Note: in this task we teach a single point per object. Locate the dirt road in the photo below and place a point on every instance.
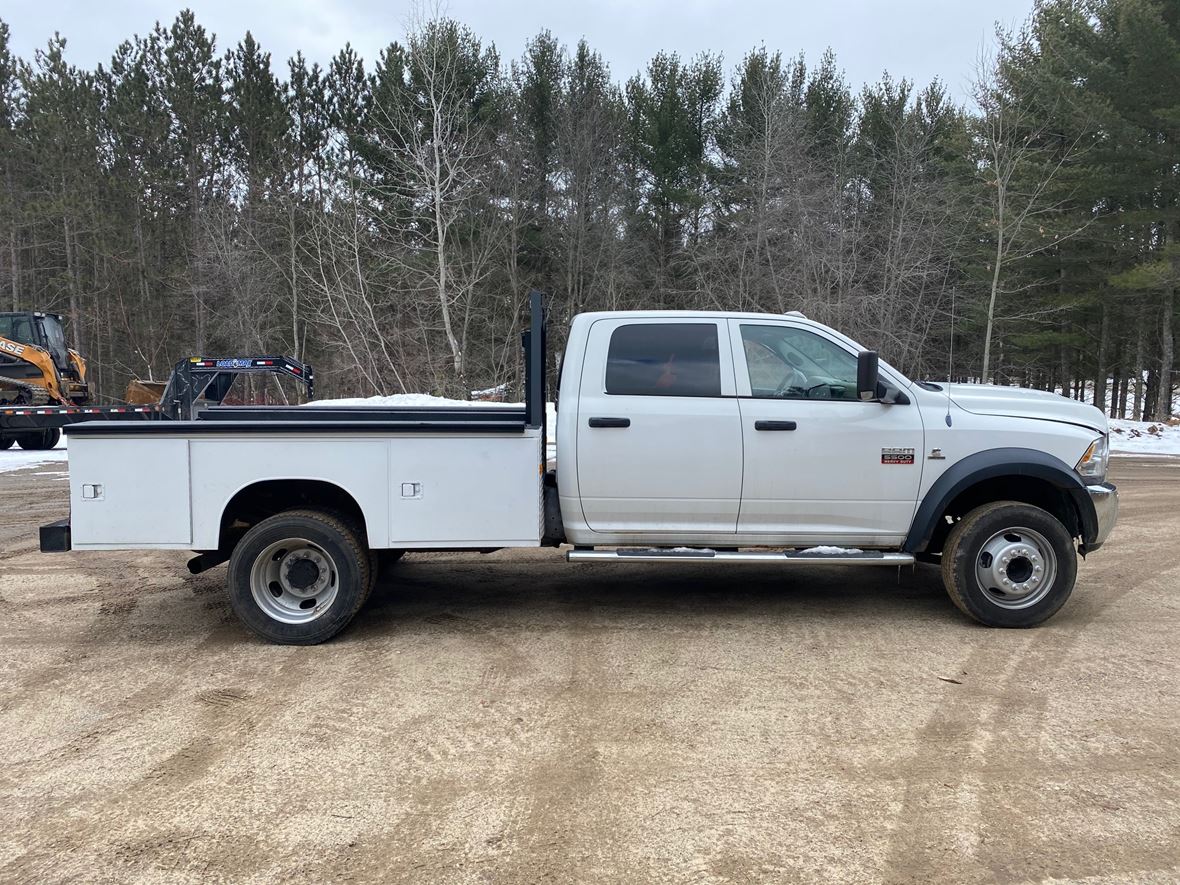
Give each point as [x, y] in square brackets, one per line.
[511, 718]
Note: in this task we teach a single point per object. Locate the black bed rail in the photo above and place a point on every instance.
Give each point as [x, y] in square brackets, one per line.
[363, 414]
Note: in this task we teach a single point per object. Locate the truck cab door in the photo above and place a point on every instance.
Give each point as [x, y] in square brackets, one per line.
[659, 438]
[821, 466]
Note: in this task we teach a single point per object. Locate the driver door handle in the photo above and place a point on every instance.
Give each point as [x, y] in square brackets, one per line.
[774, 425]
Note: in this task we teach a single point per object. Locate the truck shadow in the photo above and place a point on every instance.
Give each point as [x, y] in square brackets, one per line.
[503, 593]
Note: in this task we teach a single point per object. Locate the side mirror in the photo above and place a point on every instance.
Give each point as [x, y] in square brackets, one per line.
[866, 375]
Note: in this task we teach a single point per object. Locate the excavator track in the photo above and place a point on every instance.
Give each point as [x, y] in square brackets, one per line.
[34, 394]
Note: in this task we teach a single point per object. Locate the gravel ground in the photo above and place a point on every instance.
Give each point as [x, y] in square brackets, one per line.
[510, 718]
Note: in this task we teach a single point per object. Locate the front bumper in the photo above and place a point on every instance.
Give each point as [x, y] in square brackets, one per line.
[1105, 498]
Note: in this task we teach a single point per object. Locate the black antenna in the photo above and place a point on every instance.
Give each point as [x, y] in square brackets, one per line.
[950, 360]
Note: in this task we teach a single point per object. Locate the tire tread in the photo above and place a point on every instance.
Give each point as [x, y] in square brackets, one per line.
[351, 537]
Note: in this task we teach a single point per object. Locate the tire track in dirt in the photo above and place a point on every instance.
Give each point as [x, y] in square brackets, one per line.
[955, 753]
[217, 723]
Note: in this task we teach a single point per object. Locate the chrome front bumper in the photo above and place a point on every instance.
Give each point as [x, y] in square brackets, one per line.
[1105, 498]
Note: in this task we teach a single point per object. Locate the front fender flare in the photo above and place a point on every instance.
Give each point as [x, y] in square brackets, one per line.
[992, 464]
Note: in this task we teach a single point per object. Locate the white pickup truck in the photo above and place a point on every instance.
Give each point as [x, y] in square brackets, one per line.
[713, 438]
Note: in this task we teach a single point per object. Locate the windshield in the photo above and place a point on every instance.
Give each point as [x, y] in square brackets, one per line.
[55, 341]
[17, 327]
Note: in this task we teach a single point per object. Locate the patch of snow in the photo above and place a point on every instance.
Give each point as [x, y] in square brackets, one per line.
[18, 459]
[408, 401]
[1144, 438]
[832, 551]
[693, 550]
[489, 392]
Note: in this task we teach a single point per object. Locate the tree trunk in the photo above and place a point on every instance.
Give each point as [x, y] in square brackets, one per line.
[72, 279]
[13, 254]
[1100, 370]
[1163, 404]
[991, 304]
[292, 259]
[1137, 373]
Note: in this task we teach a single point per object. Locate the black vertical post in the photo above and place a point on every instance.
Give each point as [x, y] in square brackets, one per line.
[534, 368]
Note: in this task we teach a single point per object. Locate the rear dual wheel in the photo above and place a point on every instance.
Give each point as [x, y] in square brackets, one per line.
[1009, 564]
[38, 440]
[299, 578]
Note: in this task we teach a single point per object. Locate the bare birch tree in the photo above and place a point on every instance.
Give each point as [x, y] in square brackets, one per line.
[1022, 155]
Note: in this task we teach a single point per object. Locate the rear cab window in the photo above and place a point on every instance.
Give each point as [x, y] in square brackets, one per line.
[664, 359]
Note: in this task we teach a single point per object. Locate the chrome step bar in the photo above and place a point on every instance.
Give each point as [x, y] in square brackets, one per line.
[694, 554]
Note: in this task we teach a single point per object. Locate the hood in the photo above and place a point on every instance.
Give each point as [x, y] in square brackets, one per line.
[1020, 402]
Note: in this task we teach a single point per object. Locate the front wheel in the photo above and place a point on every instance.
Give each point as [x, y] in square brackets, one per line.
[299, 577]
[1009, 564]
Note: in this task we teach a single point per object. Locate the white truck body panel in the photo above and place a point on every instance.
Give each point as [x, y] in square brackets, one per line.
[414, 490]
[824, 481]
[135, 495]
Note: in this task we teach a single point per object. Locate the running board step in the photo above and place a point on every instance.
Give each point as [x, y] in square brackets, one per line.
[702, 554]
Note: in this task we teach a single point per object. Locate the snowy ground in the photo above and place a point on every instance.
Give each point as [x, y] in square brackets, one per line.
[408, 400]
[1143, 438]
[17, 458]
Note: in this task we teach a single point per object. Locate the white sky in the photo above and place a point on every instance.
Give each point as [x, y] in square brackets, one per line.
[919, 39]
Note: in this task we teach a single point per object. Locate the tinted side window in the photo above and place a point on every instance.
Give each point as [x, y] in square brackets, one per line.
[664, 359]
[789, 363]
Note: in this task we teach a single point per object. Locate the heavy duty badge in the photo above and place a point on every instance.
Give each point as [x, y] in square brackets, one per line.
[897, 456]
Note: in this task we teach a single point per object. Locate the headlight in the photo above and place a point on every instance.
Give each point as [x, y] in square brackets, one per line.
[1093, 463]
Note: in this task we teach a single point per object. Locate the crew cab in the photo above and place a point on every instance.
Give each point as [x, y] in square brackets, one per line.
[712, 438]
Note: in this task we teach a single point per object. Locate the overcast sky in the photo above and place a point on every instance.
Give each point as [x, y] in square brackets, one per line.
[919, 39]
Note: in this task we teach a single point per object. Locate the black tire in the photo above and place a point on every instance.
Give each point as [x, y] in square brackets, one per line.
[39, 440]
[348, 577]
[6, 442]
[1016, 545]
[358, 532]
[389, 558]
[384, 562]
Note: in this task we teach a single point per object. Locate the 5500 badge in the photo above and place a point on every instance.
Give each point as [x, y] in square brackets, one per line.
[897, 456]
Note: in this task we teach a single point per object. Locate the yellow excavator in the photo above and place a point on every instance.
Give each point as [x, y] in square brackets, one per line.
[36, 366]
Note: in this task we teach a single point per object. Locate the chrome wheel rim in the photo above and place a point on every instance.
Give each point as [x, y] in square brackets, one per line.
[1016, 568]
[294, 581]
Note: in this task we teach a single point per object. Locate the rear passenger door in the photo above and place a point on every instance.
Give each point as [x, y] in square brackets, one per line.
[659, 439]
